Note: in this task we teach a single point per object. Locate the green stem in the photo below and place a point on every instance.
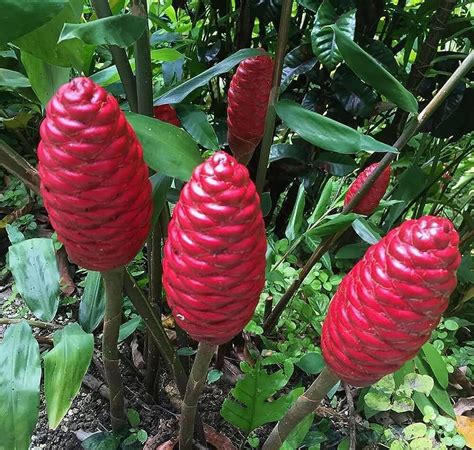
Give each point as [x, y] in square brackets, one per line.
[267, 140]
[143, 63]
[19, 167]
[304, 405]
[196, 381]
[33, 323]
[113, 280]
[411, 128]
[120, 58]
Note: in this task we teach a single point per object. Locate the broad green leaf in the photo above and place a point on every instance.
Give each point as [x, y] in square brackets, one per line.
[20, 375]
[11, 80]
[337, 164]
[351, 251]
[103, 440]
[196, 124]
[122, 30]
[415, 430]
[160, 185]
[165, 55]
[297, 435]
[64, 368]
[290, 151]
[332, 225]
[297, 62]
[43, 42]
[322, 35]
[437, 364]
[402, 403]
[377, 400]
[423, 403]
[166, 148]
[296, 219]
[323, 202]
[419, 383]
[92, 306]
[213, 376]
[439, 395]
[179, 93]
[34, 268]
[370, 71]
[20, 17]
[366, 231]
[44, 77]
[311, 363]
[127, 328]
[327, 133]
[252, 392]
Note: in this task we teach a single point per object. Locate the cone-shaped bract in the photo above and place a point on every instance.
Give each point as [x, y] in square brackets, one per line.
[372, 198]
[247, 104]
[214, 258]
[387, 306]
[166, 113]
[94, 181]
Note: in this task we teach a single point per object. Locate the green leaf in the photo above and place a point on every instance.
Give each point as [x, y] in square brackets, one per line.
[104, 440]
[369, 70]
[64, 368]
[133, 417]
[34, 268]
[43, 42]
[11, 80]
[185, 351]
[366, 231]
[20, 375]
[297, 435]
[20, 17]
[252, 392]
[297, 62]
[419, 383]
[45, 78]
[402, 403]
[323, 202]
[291, 151]
[332, 225]
[327, 133]
[179, 93]
[377, 400]
[122, 30]
[92, 306]
[415, 430]
[437, 364]
[336, 164]
[352, 251]
[127, 328]
[213, 376]
[195, 123]
[296, 219]
[311, 363]
[160, 185]
[322, 35]
[167, 149]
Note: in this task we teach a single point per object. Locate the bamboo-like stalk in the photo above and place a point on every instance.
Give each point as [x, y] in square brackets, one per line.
[113, 280]
[120, 58]
[32, 323]
[411, 128]
[267, 140]
[196, 381]
[305, 404]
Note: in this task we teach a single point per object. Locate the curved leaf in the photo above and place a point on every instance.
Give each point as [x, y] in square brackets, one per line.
[322, 36]
[122, 30]
[92, 306]
[327, 133]
[20, 375]
[21, 17]
[180, 92]
[370, 71]
[64, 367]
[167, 149]
[297, 62]
[195, 123]
[35, 270]
[9, 79]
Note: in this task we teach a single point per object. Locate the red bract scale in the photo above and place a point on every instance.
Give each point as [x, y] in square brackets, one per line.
[372, 198]
[214, 258]
[94, 181]
[387, 306]
[247, 104]
[166, 113]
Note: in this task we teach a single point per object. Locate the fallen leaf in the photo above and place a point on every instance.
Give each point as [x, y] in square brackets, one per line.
[463, 405]
[465, 426]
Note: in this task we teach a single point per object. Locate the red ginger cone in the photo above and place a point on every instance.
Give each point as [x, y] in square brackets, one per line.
[166, 113]
[214, 258]
[387, 306]
[94, 181]
[372, 198]
[247, 104]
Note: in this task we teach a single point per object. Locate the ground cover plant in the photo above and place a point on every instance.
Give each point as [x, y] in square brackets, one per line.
[236, 224]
